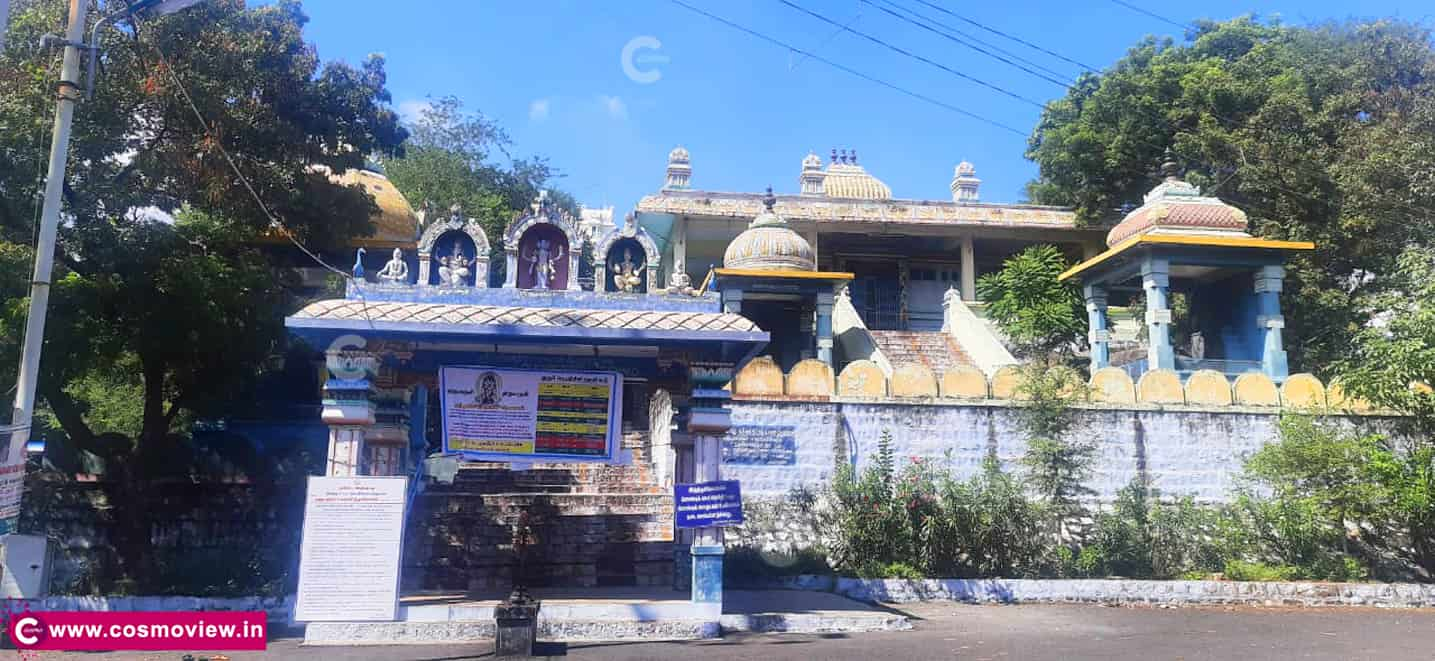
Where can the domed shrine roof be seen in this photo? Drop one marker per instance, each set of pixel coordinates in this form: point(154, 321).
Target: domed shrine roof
point(845, 178)
point(769, 244)
point(395, 222)
point(679, 154)
point(1177, 207)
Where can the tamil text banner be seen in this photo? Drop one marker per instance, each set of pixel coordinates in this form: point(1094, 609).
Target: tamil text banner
point(527, 415)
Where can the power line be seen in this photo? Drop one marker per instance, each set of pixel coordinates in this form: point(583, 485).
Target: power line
point(274, 222)
point(851, 71)
point(949, 36)
point(999, 33)
point(1142, 10)
point(943, 67)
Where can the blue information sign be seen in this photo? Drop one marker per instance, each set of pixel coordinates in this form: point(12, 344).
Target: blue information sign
point(707, 504)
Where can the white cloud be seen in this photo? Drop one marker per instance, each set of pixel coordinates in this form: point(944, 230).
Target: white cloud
point(614, 106)
point(538, 110)
point(411, 110)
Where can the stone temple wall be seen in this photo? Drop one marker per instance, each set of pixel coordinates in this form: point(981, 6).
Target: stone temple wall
point(792, 430)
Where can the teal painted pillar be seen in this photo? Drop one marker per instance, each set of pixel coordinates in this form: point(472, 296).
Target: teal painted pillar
point(1100, 331)
point(1269, 283)
point(824, 327)
point(708, 422)
point(1156, 281)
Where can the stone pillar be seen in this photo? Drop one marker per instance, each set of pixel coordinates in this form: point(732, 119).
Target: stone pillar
point(708, 422)
point(680, 246)
point(389, 437)
point(510, 272)
point(1100, 332)
point(969, 269)
point(1269, 321)
point(904, 281)
point(824, 327)
point(348, 409)
point(425, 264)
point(573, 254)
point(480, 272)
point(812, 241)
point(1156, 280)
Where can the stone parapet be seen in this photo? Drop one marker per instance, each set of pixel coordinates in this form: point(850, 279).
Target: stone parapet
point(862, 380)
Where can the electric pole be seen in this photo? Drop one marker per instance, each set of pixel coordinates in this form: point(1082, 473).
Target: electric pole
point(67, 94)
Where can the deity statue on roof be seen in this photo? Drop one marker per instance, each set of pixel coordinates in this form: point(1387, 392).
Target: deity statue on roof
point(453, 270)
point(396, 271)
point(543, 264)
point(627, 275)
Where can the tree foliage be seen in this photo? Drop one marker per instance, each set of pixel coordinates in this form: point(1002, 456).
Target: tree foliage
point(1038, 313)
point(1319, 133)
point(1395, 354)
point(452, 157)
point(159, 285)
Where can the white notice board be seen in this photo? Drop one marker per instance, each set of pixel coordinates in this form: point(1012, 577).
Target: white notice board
point(349, 561)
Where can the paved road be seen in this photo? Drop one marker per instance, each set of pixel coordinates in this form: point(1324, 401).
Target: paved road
point(996, 633)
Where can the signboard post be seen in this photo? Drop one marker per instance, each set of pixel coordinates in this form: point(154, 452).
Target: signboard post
point(704, 504)
point(349, 560)
point(528, 415)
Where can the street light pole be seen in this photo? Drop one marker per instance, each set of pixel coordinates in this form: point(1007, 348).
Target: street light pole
point(12, 470)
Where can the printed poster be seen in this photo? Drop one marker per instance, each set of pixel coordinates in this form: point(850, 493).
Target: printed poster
point(349, 558)
point(528, 415)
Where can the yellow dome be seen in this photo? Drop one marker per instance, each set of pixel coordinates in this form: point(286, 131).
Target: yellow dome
point(395, 224)
point(768, 244)
point(852, 181)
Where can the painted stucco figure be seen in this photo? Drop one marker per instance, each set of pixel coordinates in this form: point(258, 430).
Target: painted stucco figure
point(627, 276)
point(453, 270)
point(543, 264)
point(396, 271)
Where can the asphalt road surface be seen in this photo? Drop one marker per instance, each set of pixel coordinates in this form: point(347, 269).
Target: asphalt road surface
point(995, 633)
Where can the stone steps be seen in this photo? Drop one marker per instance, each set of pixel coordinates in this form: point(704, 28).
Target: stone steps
point(935, 349)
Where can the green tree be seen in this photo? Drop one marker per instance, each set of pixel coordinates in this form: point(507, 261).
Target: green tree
point(1391, 360)
point(453, 157)
point(1058, 460)
point(160, 289)
point(1393, 356)
point(1038, 313)
point(1313, 131)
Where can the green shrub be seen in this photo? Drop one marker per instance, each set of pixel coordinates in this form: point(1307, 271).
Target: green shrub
point(1142, 537)
point(745, 564)
point(1240, 570)
point(890, 570)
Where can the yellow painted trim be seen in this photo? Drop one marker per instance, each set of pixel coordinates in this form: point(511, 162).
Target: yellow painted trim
point(801, 275)
point(1186, 240)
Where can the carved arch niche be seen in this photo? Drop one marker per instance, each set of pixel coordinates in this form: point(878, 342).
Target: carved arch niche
point(620, 245)
point(544, 222)
point(438, 241)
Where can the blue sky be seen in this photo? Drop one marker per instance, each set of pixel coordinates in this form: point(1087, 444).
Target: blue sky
point(551, 73)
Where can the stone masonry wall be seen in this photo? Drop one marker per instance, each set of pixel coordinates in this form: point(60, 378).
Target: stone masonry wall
point(1183, 438)
point(592, 525)
point(1179, 452)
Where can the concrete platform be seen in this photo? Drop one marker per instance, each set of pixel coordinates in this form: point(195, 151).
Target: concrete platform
point(614, 614)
